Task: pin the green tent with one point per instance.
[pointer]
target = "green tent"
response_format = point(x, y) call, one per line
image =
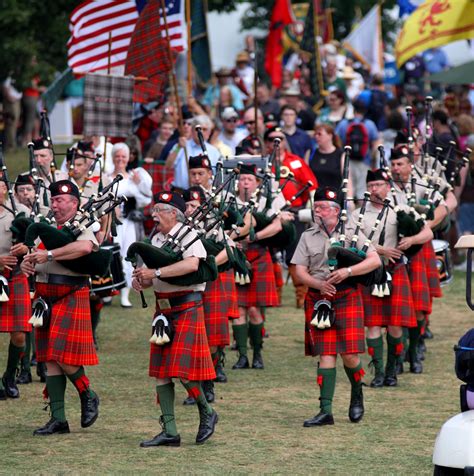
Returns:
point(462, 74)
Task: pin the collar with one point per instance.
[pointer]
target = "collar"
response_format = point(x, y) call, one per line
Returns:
point(174, 229)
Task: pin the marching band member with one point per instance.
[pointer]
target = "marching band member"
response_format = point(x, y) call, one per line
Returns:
point(65, 343)
point(187, 356)
point(346, 335)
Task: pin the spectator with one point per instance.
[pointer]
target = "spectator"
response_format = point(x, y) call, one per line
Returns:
point(265, 103)
point(354, 81)
point(31, 95)
point(465, 125)
point(245, 73)
point(336, 110)
point(212, 94)
point(395, 123)
point(252, 143)
point(11, 112)
point(362, 135)
point(306, 117)
point(166, 139)
point(333, 81)
point(375, 100)
point(299, 142)
point(230, 135)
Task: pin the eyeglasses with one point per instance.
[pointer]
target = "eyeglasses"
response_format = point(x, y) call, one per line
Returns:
point(157, 209)
point(322, 207)
point(247, 123)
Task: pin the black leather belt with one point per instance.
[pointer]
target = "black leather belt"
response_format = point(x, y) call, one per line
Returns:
point(68, 280)
point(168, 303)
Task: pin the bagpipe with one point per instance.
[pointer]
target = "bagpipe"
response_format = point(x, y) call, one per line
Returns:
point(340, 256)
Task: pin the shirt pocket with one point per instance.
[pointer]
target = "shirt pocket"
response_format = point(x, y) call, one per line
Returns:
point(316, 259)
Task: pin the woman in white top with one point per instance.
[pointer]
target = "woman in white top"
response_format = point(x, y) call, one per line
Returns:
point(136, 186)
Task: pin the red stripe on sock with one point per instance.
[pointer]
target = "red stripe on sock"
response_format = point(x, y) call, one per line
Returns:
point(399, 348)
point(371, 351)
point(319, 380)
point(194, 392)
point(45, 393)
point(358, 375)
point(82, 384)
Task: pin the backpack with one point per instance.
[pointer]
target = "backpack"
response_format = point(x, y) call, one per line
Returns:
point(375, 109)
point(357, 136)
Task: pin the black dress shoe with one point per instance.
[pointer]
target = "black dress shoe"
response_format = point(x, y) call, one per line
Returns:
point(399, 368)
point(10, 387)
point(257, 361)
point(221, 377)
point(319, 420)
point(162, 439)
point(242, 363)
point(24, 377)
point(377, 381)
point(356, 407)
point(53, 426)
point(390, 380)
point(207, 424)
point(416, 367)
point(189, 401)
point(41, 371)
point(208, 390)
point(89, 408)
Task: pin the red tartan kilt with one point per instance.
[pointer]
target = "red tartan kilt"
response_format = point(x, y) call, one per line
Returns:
point(216, 307)
point(188, 355)
point(68, 339)
point(419, 283)
point(261, 292)
point(431, 269)
point(228, 283)
point(346, 336)
point(394, 310)
point(15, 313)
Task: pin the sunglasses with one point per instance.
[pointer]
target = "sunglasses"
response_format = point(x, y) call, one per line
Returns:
point(230, 120)
point(247, 123)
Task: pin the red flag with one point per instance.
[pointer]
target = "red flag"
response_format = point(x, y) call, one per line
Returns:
point(282, 15)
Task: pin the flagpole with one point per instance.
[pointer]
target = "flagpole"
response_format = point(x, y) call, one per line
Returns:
point(318, 105)
point(189, 55)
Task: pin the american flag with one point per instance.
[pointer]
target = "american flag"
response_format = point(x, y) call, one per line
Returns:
point(93, 21)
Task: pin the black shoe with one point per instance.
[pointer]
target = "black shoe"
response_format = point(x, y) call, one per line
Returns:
point(53, 426)
point(89, 408)
point(207, 425)
point(377, 381)
point(399, 368)
point(41, 371)
point(221, 377)
point(162, 439)
point(24, 377)
point(242, 363)
point(319, 420)
point(390, 380)
point(257, 361)
point(208, 390)
point(356, 407)
point(416, 367)
point(189, 401)
point(428, 334)
point(10, 387)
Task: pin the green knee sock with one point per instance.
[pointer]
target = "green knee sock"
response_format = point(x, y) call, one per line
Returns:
point(256, 338)
point(394, 350)
point(56, 386)
point(327, 386)
point(375, 350)
point(95, 315)
point(355, 377)
point(165, 397)
point(25, 360)
point(14, 353)
point(414, 334)
point(195, 391)
point(241, 336)
point(80, 381)
point(215, 358)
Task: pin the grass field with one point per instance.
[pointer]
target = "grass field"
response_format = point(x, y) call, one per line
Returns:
point(261, 412)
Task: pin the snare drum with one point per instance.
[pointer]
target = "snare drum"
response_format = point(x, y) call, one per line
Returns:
point(114, 279)
point(443, 261)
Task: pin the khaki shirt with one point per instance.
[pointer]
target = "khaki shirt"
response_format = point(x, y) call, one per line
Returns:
point(420, 188)
point(195, 250)
point(58, 175)
point(53, 267)
point(6, 219)
point(312, 249)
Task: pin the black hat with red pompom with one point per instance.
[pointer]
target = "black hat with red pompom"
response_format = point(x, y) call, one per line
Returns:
point(64, 187)
point(171, 198)
point(327, 194)
point(377, 174)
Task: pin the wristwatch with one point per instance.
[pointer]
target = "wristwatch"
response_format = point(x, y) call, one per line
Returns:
point(349, 270)
point(158, 273)
point(50, 256)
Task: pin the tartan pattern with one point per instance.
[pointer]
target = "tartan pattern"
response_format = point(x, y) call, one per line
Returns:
point(15, 313)
point(346, 336)
point(230, 293)
point(431, 269)
point(261, 292)
point(162, 178)
point(147, 55)
point(216, 307)
point(394, 310)
point(108, 105)
point(419, 283)
point(188, 355)
point(68, 339)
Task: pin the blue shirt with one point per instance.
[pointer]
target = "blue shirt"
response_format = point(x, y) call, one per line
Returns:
point(181, 177)
point(435, 60)
point(211, 96)
point(341, 131)
point(299, 142)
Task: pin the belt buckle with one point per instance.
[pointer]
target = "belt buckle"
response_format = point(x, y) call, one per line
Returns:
point(164, 304)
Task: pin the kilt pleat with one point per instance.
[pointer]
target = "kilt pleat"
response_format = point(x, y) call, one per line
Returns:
point(261, 292)
point(68, 339)
point(346, 336)
point(228, 282)
point(431, 270)
point(216, 307)
point(419, 283)
point(15, 313)
point(395, 310)
point(188, 355)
